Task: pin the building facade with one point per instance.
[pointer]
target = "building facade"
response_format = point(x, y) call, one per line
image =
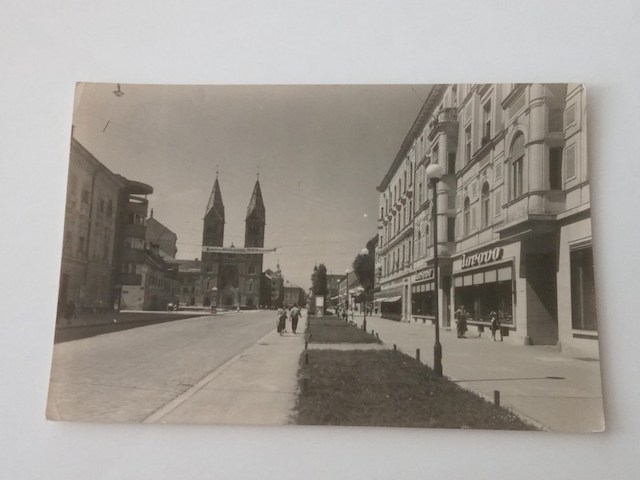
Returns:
point(232, 279)
point(514, 229)
point(160, 235)
point(293, 294)
point(90, 229)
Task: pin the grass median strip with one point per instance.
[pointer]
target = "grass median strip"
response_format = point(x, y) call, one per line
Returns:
point(389, 389)
point(333, 330)
point(383, 388)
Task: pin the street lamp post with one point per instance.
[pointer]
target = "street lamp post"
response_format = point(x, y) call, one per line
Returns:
point(434, 173)
point(346, 292)
point(364, 252)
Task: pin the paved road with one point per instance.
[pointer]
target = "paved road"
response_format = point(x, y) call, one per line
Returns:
point(160, 373)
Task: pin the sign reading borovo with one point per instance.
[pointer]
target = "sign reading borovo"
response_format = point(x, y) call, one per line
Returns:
point(239, 251)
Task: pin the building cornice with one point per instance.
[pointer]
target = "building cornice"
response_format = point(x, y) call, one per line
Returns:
point(435, 95)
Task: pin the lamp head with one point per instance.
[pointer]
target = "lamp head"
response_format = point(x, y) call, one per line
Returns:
point(434, 172)
point(364, 251)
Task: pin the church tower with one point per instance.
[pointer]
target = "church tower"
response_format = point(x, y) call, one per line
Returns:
point(255, 220)
point(213, 231)
point(212, 236)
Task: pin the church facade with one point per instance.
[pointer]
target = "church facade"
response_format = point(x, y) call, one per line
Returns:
point(230, 279)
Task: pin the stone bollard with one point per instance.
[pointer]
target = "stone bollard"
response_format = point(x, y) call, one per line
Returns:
point(395, 348)
point(496, 397)
point(418, 354)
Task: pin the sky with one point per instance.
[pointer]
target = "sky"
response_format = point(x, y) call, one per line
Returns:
point(320, 152)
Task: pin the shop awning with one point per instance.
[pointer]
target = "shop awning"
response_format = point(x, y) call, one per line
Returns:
point(391, 299)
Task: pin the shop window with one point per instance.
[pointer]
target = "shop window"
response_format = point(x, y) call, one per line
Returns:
point(583, 303)
point(484, 206)
point(555, 168)
point(517, 164)
point(466, 215)
point(85, 196)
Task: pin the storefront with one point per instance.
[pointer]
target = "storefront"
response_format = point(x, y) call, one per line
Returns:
point(390, 303)
point(423, 296)
point(579, 327)
point(484, 282)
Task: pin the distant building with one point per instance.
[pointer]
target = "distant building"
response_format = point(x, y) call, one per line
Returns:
point(232, 279)
point(333, 284)
point(145, 280)
point(157, 234)
point(189, 281)
point(272, 291)
point(293, 294)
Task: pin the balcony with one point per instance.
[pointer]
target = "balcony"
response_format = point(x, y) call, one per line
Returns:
point(446, 120)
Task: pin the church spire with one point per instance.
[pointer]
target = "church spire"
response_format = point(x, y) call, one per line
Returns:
point(256, 210)
point(255, 221)
point(215, 200)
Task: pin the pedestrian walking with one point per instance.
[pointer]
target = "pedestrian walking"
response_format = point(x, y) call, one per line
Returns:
point(461, 321)
point(351, 314)
point(295, 316)
point(282, 321)
point(495, 326)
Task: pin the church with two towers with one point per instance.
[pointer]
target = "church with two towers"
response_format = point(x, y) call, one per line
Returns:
point(231, 276)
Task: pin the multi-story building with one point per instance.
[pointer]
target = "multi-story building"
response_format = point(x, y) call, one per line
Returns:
point(93, 194)
point(158, 234)
point(514, 229)
point(271, 288)
point(189, 281)
point(293, 294)
point(333, 284)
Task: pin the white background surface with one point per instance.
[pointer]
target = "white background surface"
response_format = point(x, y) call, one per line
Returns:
point(47, 46)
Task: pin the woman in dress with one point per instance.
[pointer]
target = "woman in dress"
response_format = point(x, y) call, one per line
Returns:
point(282, 320)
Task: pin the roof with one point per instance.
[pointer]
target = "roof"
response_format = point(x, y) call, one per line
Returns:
point(424, 115)
point(289, 284)
point(256, 208)
point(215, 200)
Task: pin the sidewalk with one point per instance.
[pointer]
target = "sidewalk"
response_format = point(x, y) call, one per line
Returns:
point(257, 387)
point(556, 392)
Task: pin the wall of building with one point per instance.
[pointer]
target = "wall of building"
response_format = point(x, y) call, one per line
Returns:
point(89, 232)
point(515, 174)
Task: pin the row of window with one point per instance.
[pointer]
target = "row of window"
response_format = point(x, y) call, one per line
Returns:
point(100, 251)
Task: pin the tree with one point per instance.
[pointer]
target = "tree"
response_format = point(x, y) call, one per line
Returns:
point(364, 268)
point(319, 280)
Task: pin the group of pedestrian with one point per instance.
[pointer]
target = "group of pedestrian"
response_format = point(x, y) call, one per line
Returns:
point(292, 313)
point(461, 323)
point(344, 313)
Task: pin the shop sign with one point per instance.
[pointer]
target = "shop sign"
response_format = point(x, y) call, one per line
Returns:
point(426, 275)
point(481, 258)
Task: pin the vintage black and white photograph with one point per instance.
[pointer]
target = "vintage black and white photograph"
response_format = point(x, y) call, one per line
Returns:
point(339, 255)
